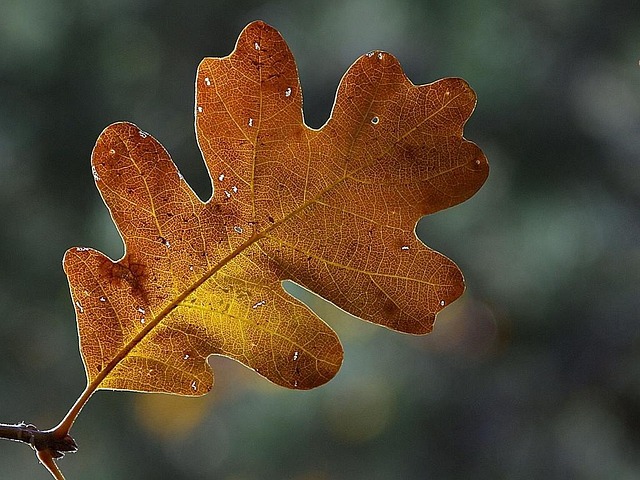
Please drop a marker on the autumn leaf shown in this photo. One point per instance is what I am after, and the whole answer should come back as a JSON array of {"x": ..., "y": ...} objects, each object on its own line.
[{"x": 333, "y": 210}]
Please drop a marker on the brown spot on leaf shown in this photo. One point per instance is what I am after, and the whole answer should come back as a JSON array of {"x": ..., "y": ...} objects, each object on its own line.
[
  {"x": 390, "y": 308},
  {"x": 126, "y": 271}
]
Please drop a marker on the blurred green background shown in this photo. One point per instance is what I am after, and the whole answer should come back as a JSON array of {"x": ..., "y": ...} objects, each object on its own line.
[{"x": 533, "y": 374}]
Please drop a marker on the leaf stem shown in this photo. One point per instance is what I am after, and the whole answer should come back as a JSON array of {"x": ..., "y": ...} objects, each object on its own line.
[{"x": 66, "y": 423}]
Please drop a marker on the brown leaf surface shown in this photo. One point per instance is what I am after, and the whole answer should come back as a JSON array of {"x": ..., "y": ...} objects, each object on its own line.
[{"x": 332, "y": 209}]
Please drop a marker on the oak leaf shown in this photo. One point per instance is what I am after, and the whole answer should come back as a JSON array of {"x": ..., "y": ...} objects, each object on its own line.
[{"x": 333, "y": 210}]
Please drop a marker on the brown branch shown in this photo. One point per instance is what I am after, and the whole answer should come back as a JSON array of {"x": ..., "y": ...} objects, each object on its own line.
[
  {"x": 40, "y": 440},
  {"x": 48, "y": 444}
]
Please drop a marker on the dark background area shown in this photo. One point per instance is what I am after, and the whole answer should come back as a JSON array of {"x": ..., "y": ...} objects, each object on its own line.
[{"x": 533, "y": 374}]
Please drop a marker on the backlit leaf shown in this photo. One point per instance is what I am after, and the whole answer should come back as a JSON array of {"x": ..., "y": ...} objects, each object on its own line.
[{"x": 333, "y": 210}]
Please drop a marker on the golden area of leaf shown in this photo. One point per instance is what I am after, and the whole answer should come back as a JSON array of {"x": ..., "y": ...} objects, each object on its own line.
[{"x": 333, "y": 210}]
